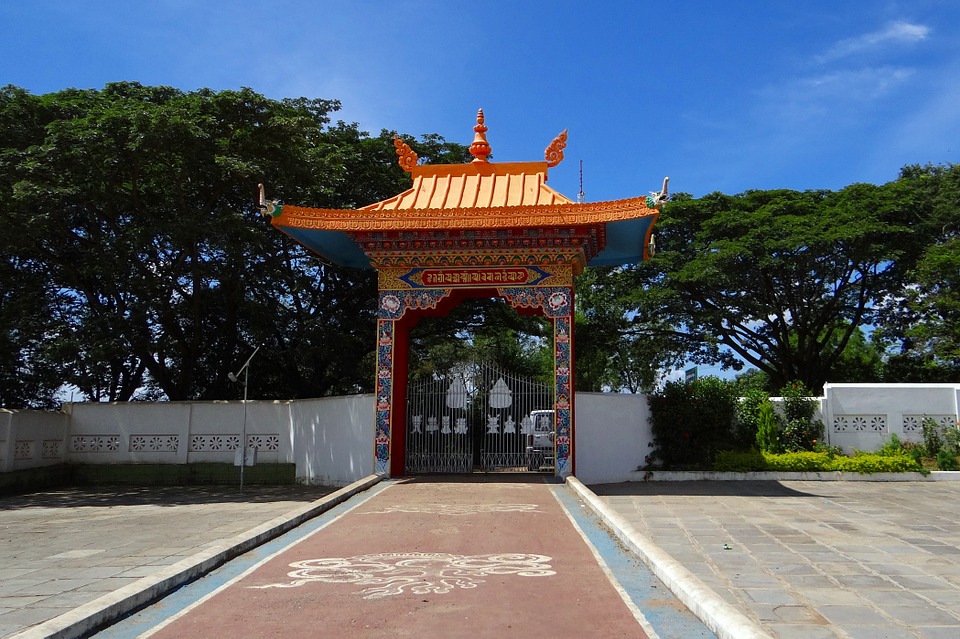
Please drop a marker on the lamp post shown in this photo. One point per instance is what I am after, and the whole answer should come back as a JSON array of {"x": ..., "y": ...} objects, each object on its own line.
[{"x": 234, "y": 377}]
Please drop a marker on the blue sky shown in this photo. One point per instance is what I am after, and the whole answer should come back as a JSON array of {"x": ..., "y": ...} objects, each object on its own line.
[{"x": 720, "y": 96}]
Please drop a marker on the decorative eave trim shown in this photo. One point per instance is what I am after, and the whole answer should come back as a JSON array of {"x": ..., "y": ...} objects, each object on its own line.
[{"x": 464, "y": 218}]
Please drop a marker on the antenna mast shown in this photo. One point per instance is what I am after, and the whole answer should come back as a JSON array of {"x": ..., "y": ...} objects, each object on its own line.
[{"x": 580, "y": 196}]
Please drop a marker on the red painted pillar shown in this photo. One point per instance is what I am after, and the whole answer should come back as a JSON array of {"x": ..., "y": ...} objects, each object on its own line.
[{"x": 398, "y": 401}]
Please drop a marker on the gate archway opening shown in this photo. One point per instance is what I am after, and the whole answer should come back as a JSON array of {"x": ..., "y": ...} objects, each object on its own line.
[
  {"x": 479, "y": 395},
  {"x": 405, "y": 309}
]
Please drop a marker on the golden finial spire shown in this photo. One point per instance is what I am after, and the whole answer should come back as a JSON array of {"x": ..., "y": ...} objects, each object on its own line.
[{"x": 480, "y": 148}]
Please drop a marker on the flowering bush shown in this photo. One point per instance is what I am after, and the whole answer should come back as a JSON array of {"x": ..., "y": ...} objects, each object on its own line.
[{"x": 691, "y": 422}]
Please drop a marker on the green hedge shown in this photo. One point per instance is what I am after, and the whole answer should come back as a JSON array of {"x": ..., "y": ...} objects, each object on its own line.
[
  {"x": 866, "y": 463},
  {"x": 739, "y": 461},
  {"x": 815, "y": 462}
]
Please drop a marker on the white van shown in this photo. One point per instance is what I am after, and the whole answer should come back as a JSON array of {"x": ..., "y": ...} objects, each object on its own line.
[{"x": 540, "y": 442}]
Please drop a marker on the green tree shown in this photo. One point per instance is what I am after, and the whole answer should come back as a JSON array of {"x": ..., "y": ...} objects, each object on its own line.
[
  {"x": 920, "y": 322},
  {"x": 30, "y": 316},
  {"x": 31, "y": 306},
  {"x": 618, "y": 345},
  {"x": 138, "y": 207},
  {"x": 782, "y": 280},
  {"x": 485, "y": 330}
]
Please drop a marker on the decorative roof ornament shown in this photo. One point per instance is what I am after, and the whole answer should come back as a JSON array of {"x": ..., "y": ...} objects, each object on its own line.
[
  {"x": 480, "y": 148},
  {"x": 273, "y": 208},
  {"x": 554, "y": 152},
  {"x": 657, "y": 199},
  {"x": 407, "y": 156}
]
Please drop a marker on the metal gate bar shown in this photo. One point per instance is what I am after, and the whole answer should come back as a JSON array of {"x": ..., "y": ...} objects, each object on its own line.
[{"x": 477, "y": 415}]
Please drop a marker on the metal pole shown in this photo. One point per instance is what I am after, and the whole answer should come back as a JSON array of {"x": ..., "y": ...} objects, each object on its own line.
[{"x": 243, "y": 432}]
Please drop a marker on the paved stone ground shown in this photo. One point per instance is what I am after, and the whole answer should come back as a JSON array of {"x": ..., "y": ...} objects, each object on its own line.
[
  {"x": 805, "y": 559},
  {"x": 67, "y": 548},
  {"x": 62, "y": 549},
  {"x": 424, "y": 557},
  {"x": 811, "y": 560}
]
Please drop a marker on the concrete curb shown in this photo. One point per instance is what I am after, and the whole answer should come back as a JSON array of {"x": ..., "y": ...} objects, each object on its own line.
[
  {"x": 109, "y": 607},
  {"x": 711, "y": 475},
  {"x": 722, "y": 618}
]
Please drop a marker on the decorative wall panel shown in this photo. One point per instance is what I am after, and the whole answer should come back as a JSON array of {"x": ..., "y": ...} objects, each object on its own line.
[
  {"x": 94, "y": 443},
  {"x": 860, "y": 423}
]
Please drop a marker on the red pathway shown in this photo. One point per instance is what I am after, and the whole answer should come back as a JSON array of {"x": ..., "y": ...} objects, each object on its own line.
[{"x": 427, "y": 558}]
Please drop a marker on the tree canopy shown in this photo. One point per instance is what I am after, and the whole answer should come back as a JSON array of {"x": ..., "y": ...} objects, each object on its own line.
[
  {"x": 788, "y": 281},
  {"x": 135, "y": 262}
]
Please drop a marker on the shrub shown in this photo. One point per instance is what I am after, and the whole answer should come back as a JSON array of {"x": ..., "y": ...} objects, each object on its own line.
[
  {"x": 946, "y": 460},
  {"x": 871, "y": 463},
  {"x": 797, "y": 403},
  {"x": 799, "y": 462},
  {"x": 691, "y": 422},
  {"x": 799, "y": 430},
  {"x": 831, "y": 451},
  {"x": 951, "y": 440},
  {"x": 768, "y": 435},
  {"x": 932, "y": 436},
  {"x": 740, "y": 461},
  {"x": 892, "y": 446},
  {"x": 896, "y": 446},
  {"x": 748, "y": 418},
  {"x": 824, "y": 462}
]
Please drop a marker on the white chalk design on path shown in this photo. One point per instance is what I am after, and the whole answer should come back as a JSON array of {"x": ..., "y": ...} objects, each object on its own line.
[
  {"x": 393, "y": 573},
  {"x": 455, "y": 509}
]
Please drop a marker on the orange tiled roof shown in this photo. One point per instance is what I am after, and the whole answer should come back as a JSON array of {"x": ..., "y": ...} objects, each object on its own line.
[
  {"x": 475, "y": 196},
  {"x": 476, "y": 185}
]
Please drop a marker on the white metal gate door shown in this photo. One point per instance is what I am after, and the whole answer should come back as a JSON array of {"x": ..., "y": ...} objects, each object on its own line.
[
  {"x": 439, "y": 433},
  {"x": 479, "y": 416}
]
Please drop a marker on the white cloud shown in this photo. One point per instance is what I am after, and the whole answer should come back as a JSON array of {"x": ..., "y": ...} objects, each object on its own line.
[
  {"x": 829, "y": 94},
  {"x": 855, "y": 84},
  {"x": 899, "y": 32}
]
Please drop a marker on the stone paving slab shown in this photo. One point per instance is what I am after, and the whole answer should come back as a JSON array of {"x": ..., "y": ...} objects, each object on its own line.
[
  {"x": 62, "y": 549},
  {"x": 812, "y": 559}
]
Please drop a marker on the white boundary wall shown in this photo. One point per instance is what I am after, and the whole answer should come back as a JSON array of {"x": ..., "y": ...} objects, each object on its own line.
[
  {"x": 31, "y": 438},
  {"x": 863, "y": 416},
  {"x": 612, "y": 436},
  {"x": 331, "y": 439}
]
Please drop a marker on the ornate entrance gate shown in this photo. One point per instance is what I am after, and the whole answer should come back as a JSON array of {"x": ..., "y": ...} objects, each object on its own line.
[
  {"x": 481, "y": 229},
  {"x": 478, "y": 416}
]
